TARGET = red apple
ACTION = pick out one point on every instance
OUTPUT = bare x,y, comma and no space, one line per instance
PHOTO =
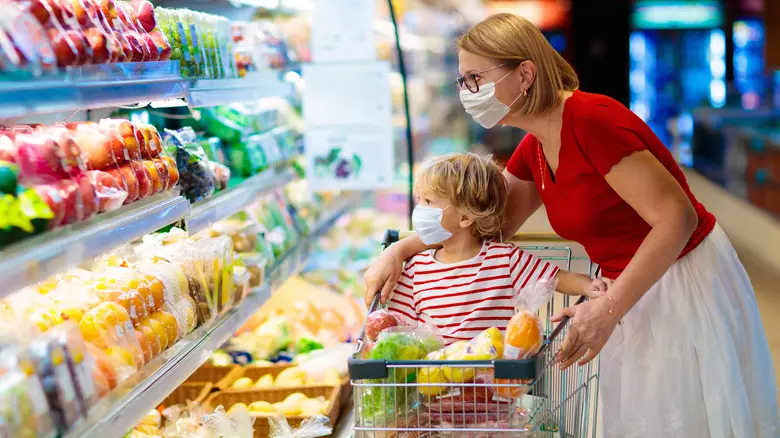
145,183
109,9
64,48
75,9
99,44
126,176
38,10
138,52
110,191
154,51
145,13
162,44
126,51
89,200
162,171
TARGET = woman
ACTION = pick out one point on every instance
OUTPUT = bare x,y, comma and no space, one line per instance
683,350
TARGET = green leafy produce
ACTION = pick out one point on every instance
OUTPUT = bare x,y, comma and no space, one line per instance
307,345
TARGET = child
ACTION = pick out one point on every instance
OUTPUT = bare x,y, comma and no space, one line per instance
469,283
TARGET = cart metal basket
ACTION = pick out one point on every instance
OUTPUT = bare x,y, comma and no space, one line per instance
514,398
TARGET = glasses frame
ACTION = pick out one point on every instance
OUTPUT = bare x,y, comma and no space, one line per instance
462,81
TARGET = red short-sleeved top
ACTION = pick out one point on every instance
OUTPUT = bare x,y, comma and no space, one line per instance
597,133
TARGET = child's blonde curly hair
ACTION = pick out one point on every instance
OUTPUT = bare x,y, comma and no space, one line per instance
474,186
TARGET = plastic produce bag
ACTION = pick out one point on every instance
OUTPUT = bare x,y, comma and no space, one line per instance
309,428
195,176
109,329
46,156
378,321
524,333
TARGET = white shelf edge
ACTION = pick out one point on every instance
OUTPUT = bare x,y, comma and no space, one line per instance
40,257
124,407
229,202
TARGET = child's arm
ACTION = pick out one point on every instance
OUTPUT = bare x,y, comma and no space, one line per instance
571,283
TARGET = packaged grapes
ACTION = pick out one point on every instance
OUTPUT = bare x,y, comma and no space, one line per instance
195,176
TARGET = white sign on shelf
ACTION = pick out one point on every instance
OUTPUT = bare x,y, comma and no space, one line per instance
347,109
343,30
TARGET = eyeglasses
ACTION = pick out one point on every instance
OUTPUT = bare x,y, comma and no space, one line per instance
469,82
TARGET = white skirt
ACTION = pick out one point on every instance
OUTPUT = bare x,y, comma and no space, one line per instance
692,358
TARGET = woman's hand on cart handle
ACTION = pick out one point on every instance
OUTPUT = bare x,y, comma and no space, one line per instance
591,325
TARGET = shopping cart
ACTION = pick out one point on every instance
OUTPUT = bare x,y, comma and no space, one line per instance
515,398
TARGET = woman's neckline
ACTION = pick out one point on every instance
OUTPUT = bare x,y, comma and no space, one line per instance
564,119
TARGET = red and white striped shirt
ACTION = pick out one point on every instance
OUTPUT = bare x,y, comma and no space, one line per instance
462,299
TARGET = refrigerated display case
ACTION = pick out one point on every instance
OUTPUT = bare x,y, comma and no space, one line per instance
678,63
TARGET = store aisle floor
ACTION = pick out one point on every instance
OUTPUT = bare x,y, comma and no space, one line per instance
767,286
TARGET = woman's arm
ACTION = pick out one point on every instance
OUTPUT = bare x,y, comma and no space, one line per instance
522,201
658,198
384,273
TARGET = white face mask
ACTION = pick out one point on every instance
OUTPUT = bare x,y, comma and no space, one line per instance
484,106
427,224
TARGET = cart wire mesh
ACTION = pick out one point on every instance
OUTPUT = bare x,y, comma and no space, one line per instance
436,398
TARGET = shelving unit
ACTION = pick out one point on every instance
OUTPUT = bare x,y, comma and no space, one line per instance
111,85
35,259
128,403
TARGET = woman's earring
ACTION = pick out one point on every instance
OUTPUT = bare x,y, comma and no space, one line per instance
525,93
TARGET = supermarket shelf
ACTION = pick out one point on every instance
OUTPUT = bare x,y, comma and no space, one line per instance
229,202
109,85
255,86
40,257
127,404
97,86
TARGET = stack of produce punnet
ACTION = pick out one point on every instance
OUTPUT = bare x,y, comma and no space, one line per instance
42,35
125,309
57,175
259,45
202,43
448,394
252,136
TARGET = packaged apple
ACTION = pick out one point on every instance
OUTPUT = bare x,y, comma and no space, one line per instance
46,155
100,34
70,46
134,169
24,43
177,301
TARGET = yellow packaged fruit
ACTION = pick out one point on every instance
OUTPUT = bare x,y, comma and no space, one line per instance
312,406
238,407
488,345
458,351
261,407
432,375
242,383
291,377
266,381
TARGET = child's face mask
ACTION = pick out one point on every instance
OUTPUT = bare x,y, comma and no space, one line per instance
427,224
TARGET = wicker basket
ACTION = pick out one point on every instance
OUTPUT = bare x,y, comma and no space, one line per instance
188,392
220,377
230,397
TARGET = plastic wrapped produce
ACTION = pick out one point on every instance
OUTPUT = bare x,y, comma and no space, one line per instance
45,156
378,321
64,197
51,365
103,148
25,42
109,191
108,327
221,175
196,179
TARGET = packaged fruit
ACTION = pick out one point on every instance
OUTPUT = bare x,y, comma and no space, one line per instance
45,157
524,333
51,366
66,201
23,405
109,191
196,178
108,327
378,321
430,375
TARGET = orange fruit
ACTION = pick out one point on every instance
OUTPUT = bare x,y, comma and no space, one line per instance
159,330
157,289
152,339
523,337
513,392
146,347
171,325
135,304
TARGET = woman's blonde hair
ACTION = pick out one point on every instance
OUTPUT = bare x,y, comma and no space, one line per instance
473,185
510,39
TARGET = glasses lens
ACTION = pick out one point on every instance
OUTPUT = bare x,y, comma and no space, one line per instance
471,83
